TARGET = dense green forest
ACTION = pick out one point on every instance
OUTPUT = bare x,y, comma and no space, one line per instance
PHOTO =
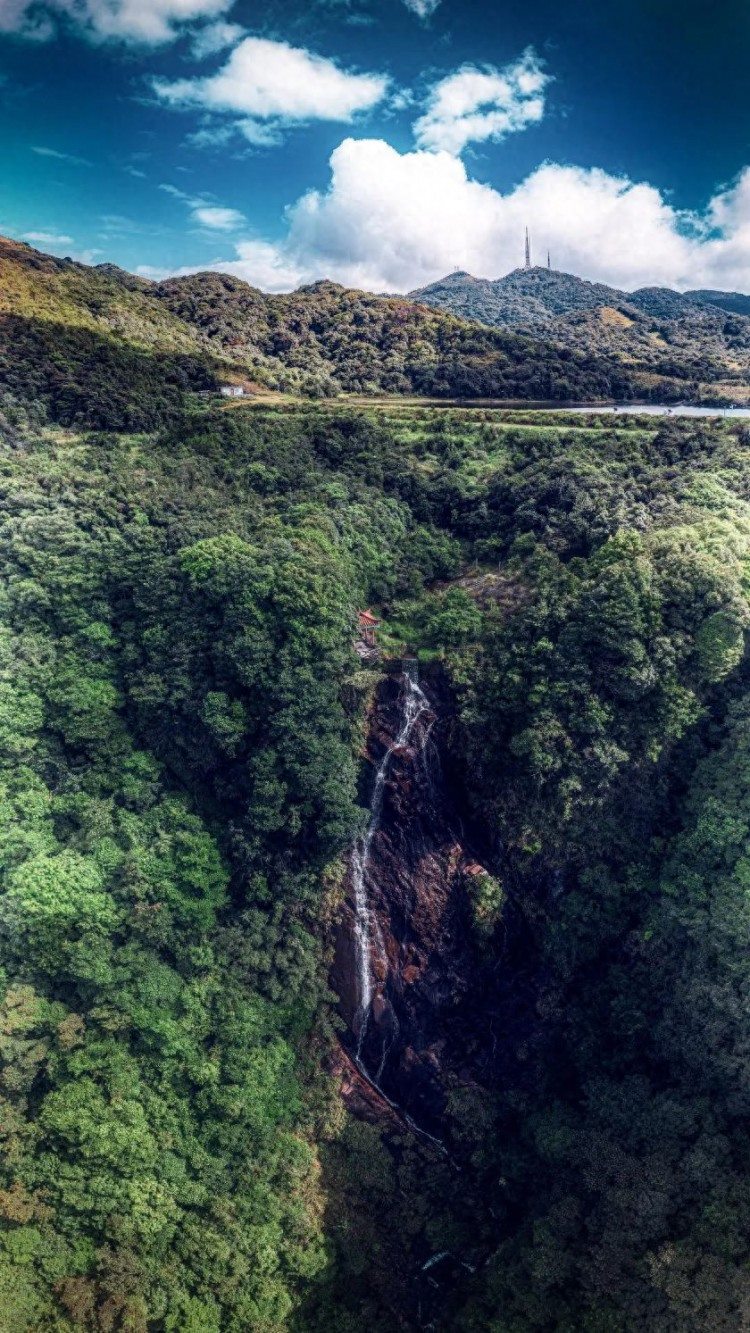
181,718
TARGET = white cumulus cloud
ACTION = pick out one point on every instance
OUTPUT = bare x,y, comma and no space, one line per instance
217,218
215,37
475,104
151,22
422,8
390,222
270,84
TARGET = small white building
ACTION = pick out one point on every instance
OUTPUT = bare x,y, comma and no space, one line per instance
232,391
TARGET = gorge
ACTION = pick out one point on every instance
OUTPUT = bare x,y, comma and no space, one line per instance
374,667
340,996
370,945
407,946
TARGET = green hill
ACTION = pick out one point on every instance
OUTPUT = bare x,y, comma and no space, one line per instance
736,302
679,345
82,345
99,347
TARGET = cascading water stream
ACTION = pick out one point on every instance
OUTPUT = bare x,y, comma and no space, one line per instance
368,939
415,705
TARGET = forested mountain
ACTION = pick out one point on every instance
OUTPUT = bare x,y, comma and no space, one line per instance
375,821
652,332
528,297
325,338
100,348
196,1136
534,297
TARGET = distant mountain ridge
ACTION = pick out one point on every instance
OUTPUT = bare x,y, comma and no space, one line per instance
526,296
101,347
701,337
736,302
538,295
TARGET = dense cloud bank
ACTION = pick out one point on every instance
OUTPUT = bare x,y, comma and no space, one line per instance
394,221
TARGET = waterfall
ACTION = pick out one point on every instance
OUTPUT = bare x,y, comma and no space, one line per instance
414,706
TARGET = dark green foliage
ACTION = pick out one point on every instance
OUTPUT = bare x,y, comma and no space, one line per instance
675,345
605,739
176,771
85,379
177,776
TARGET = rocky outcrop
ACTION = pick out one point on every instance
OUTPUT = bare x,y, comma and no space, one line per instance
359,1094
423,948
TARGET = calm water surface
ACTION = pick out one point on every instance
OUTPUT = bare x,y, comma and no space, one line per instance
656,410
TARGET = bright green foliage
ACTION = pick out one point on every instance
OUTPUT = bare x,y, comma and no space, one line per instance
487,897
176,769
453,620
57,908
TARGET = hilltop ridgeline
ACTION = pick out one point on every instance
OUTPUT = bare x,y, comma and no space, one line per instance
102,348
701,338
537,296
98,347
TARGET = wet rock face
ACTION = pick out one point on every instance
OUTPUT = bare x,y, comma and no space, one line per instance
360,1097
421,942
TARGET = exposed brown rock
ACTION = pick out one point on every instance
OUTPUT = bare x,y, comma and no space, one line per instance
360,1096
423,947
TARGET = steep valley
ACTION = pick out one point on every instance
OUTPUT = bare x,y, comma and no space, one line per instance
374,667
397,984
404,955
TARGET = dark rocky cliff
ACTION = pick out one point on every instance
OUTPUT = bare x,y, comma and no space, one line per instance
431,1022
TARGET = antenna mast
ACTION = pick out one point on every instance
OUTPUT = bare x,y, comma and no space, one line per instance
527,255
549,261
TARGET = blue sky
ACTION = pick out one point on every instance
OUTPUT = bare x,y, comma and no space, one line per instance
380,142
